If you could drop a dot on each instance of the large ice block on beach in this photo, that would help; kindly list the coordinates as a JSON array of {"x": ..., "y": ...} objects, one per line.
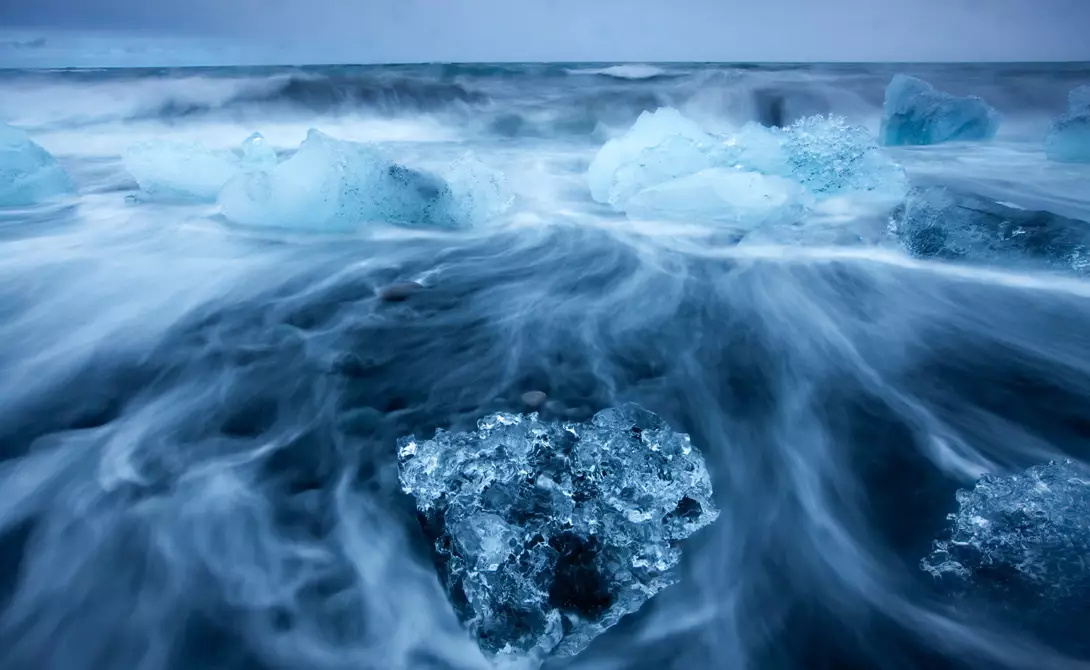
[
  {"x": 915, "y": 113},
  {"x": 938, "y": 222},
  {"x": 660, "y": 146},
  {"x": 545, "y": 533},
  {"x": 174, "y": 170},
  {"x": 1068, "y": 138},
  {"x": 331, "y": 184},
  {"x": 28, "y": 173},
  {"x": 829, "y": 157},
  {"x": 731, "y": 198}
]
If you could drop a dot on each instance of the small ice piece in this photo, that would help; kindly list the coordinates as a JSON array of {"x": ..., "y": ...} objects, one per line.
[
  {"x": 660, "y": 146},
  {"x": 938, "y": 222},
  {"x": 741, "y": 200},
  {"x": 331, "y": 184},
  {"x": 1024, "y": 535},
  {"x": 829, "y": 156},
  {"x": 915, "y": 113},
  {"x": 1068, "y": 138},
  {"x": 545, "y": 533},
  {"x": 28, "y": 173},
  {"x": 190, "y": 171}
]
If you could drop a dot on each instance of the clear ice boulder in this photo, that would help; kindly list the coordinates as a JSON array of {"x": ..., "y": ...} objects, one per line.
[
  {"x": 189, "y": 171},
  {"x": 545, "y": 534},
  {"x": 1068, "y": 139},
  {"x": 28, "y": 173},
  {"x": 915, "y": 113}
]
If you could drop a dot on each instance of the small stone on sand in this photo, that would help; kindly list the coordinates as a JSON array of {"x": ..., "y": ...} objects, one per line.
[
  {"x": 398, "y": 292},
  {"x": 533, "y": 399}
]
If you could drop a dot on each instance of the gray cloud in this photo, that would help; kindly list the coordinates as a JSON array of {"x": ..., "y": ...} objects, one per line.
[{"x": 725, "y": 30}]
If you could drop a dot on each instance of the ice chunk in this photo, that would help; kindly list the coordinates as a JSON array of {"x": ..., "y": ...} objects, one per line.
[
  {"x": 1068, "y": 138},
  {"x": 1021, "y": 536},
  {"x": 545, "y": 534},
  {"x": 171, "y": 170},
  {"x": 916, "y": 113},
  {"x": 828, "y": 156},
  {"x": 937, "y": 222},
  {"x": 330, "y": 184},
  {"x": 744, "y": 200},
  {"x": 660, "y": 146},
  {"x": 28, "y": 173}
]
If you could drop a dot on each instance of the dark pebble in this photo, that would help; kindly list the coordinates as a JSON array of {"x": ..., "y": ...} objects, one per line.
[
  {"x": 398, "y": 292},
  {"x": 533, "y": 399}
]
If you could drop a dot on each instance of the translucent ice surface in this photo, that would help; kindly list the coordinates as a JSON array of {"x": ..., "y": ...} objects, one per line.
[
  {"x": 668, "y": 167},
  {"x": 1068, "y": 138},
  {"x": 1023, "y": 535},
  {"x": 28, "y": 173},
  {"x": 545, "y": 534},
  {"x": 937, "y": 222},
  {"x": 915, "y": 113},
  {"x": 190, "y": 171},
  {"x": 331, "y": 184},
  {"x": 743, "y": 200}
]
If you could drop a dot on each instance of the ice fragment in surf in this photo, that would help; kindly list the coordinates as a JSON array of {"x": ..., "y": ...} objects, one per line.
[
  {"x": 741, "y": 200},
  {"x": 171, "y": 170},
  {"x": 1068, "y": 138},
  {"x": 937, "y": 222},
  {"x": 915, "y": 113},
  {"x": 667, "y": 167},
  {"x": 1024, "y": 538},
  {"x": 545, "y": 534},
  {"x": 28, "y": 173},
  {"x": 331, "y": 184}
]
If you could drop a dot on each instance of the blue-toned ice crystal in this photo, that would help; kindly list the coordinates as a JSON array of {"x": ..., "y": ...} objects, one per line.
[
  {"x": 1025, "y": 534},
  {"x": 915, "y": 113},
  {"x": 1068, "y": 138},
  {"x": 547, "y": 533}
]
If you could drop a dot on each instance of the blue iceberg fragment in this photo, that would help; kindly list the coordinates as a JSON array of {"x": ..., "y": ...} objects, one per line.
[
  {"x": 1068, "y": 138},
  {"x": 189, "y": 171},
  {"x": 938, "y": 222},
  {"x": 331, "y": 184},
  {"x": 1020, "y": 536},
  {"x": 28, "y": 173},
  {"x": 916, "y": 114},
  {"x": 666, "y": 166},
  {"x": 544, "y": 533}
]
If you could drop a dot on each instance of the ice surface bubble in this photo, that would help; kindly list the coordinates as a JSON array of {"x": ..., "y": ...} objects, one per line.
[
  {"x": 743, "y": 200},
  {"x": 545, "y": 534},
  {"x": 28, "y": 173},
  {"x": 937, "y": 222},
  {"x": 331, "y": 184},
  {"x": 1024, "y": 535},
  {"x": 1068, "y": 138},
  {"x": 915, "y": 113},
  {"x": 172, "y": 170}
]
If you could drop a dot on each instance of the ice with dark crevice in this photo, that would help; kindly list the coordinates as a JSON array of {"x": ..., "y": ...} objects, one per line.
[
  {"x": 546, "y": 533},
  {"x": 1024, "y": 536}
]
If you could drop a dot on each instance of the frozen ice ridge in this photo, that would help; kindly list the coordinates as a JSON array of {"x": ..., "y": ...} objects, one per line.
[
  {"x": 1068, "y": 138},
  {"x": 1026, "y": 535},
  {"x": 666, "y": 166},
  {"x": 28, "y": 173},
  {"x": 546, "y": 534},
  {"x": 915, "y": 113},
  {"x": 189, "y": 171},
  {"x": 331, "y": 184}
]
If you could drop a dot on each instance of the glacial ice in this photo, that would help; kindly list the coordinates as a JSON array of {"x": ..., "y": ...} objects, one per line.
[
  {"x": 331, "y": 184},
  {"x": 545, "y": 534},
  {"x": 1021, "y": 536},
  {"x": 667, "y": 166},
  {"x": 915, "y": 113},
  {"x": 742, "y": 200},
  {"x": 1068, "y": 138},
  {"x": 28, "y": 173},
  {"x": 938, "y": 222},
  {"x": 171, "y": 170}
]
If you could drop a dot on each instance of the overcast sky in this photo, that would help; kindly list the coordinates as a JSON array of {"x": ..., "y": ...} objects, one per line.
[{"x": 609, "y": 30}]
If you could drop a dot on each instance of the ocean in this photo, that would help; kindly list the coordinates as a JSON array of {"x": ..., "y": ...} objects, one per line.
[{"x": 198, "y": 418}]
